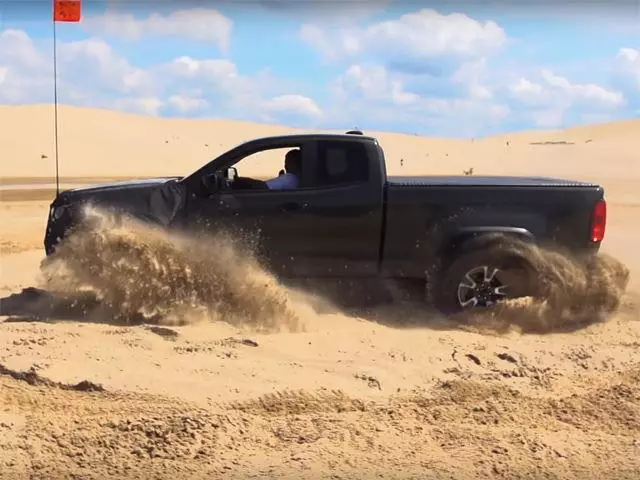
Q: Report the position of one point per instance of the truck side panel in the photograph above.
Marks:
(423, 223)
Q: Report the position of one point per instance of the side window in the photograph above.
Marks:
(341, 163)
(264, 164)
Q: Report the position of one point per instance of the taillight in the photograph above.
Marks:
(598, 221)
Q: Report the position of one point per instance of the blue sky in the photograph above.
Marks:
(455, 69)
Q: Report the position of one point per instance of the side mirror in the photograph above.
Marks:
(211, 182)
(220, 180)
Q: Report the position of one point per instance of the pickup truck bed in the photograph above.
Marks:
(455, 210)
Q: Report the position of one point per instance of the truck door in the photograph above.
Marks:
(261, 219)
(342, 211)
(328, 227)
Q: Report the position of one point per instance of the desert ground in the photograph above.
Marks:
(323, 393)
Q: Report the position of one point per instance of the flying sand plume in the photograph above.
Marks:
(139, 269)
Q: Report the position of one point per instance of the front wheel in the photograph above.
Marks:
(482, 278)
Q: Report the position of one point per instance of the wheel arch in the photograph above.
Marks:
(465, 239)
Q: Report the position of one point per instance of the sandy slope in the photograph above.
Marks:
(341, 397)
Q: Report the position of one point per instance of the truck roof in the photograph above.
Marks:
(306, 137)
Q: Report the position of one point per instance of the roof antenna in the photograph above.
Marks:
(355, 132)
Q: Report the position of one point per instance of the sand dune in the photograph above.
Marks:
(100, 143)
(391, 393)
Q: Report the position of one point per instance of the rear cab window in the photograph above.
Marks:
(341, 163)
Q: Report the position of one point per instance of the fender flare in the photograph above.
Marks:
(464, 239)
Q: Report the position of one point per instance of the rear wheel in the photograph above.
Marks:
(481, 278)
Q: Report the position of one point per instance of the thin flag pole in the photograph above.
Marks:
(63, 11)
(55, 102)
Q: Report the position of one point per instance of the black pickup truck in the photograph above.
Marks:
(348, 221)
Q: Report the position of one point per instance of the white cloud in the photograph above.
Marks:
(143, 105)
(220, 78)
(372, 83)
(17, 47)
(477, 100)
(552, 89)
(27, 73)
(467, 92)
(92, 73)
(550, 98)
(548, 117)
(426, 67)
(200, 24)
(292, 104)
(187, 103)
(102, 68)
(248, 96)
(366, 91)
(375, 84)
(528, 91)
(188, 67)
(86, 68)
(588, 92)
(419, 35)
(473, 76)
(628, 68)
(344, 12)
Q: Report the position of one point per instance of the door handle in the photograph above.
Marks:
(292, 206)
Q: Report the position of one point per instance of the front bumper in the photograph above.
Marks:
(59, 222)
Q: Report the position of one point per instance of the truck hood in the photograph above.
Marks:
(122, 186)
(157, 199)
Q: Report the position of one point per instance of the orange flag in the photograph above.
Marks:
(67, 10)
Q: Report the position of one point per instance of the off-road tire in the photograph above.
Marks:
(515, 266)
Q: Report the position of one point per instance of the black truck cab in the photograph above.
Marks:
(330, 226)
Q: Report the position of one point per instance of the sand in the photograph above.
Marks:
(335, 395)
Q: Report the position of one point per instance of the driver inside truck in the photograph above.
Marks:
(290, 178)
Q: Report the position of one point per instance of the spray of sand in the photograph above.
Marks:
(571, 294)
(136, 269)
(139, 270)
